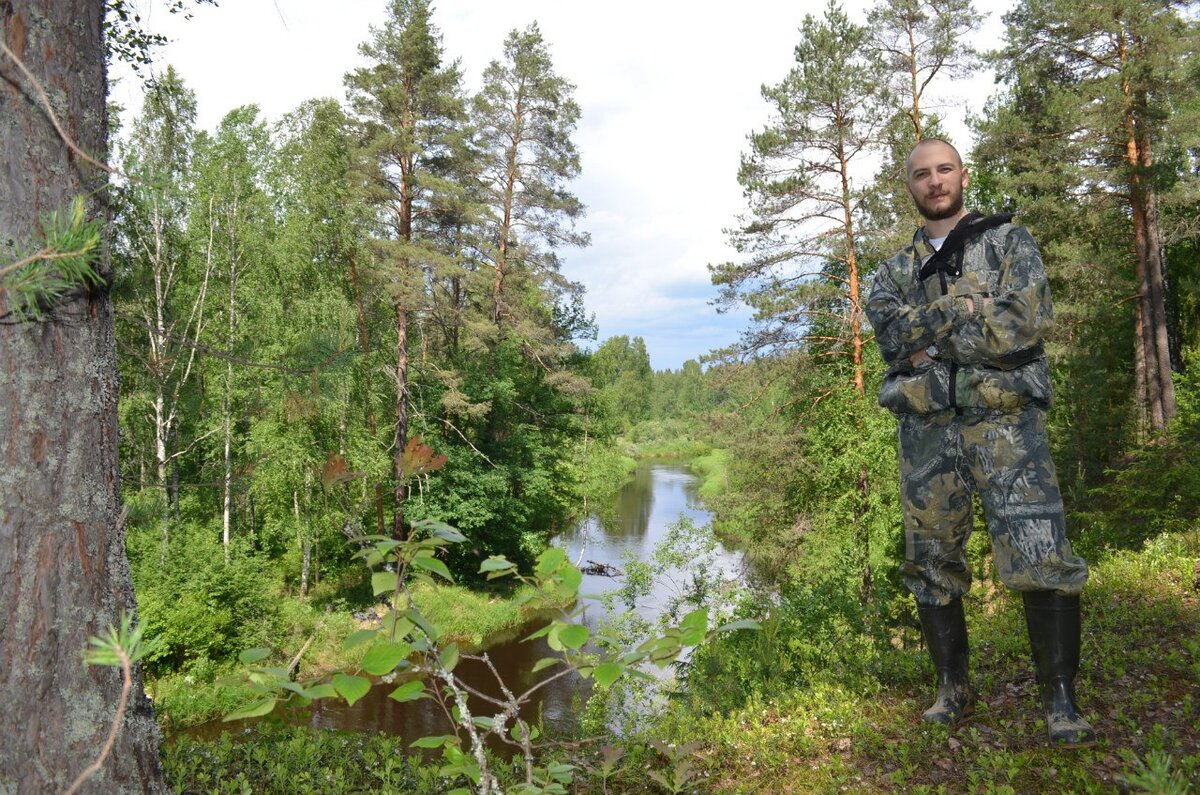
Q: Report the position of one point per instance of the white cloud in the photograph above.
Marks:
(668, 90)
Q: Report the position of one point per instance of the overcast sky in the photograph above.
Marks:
(669, 91)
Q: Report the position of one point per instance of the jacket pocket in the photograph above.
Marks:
(995, 389)
(920, 391)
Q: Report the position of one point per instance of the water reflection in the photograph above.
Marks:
(639, 520)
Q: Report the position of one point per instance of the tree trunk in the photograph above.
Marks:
(63, 571)
(401, 484)
(227, 403)
(364, 346)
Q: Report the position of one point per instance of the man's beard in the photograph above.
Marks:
(930, 213)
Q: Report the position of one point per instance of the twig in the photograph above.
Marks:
(44, 254)
(296, 660)
(66, 139)
(126, 686)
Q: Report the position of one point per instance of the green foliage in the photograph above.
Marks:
(198, 606)
(1154, 489)
(620, 369)
(65, 264)
(271, 758)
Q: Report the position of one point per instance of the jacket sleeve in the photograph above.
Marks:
(1018, 314)
(902, 329)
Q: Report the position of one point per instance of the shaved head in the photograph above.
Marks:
(930, 142)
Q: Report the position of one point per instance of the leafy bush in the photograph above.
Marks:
(199, 605)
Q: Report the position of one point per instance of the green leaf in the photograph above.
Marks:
(383, 582)
(384, 656)
(607, 673)
(351, 688)
(443, 530)
(434, 565)
(496, 563)
(449, 657)
(250, 656)
(359, 638)
(409, 691)
(435, 741)
(745, 623)
(540, 633)
(320, 691)
(257, 709)
(550, 560)
(483, 722)
(544, 663)
(693, 627)
(572, 578)
(573, 636)
(419, 620)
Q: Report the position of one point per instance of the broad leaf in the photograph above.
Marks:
(359, 638)
(383, 582)
(409, 691)
(384, 656)
(607, 673)
(257, 709)
(434, 565)
(251, 656)
(573, 636)
(351, 688)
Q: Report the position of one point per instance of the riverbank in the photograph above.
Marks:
(471, 619)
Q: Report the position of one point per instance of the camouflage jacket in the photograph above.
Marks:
(989, 356)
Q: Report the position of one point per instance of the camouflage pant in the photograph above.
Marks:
(944, 459)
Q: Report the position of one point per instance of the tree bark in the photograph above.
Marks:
(63, 571)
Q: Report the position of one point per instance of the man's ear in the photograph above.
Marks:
(966, 176)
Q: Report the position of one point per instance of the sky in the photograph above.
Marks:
(669, 91)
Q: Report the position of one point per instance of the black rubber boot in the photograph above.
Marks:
(1053, 621)
(945, 631)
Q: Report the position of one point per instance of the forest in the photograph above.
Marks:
(363, 413)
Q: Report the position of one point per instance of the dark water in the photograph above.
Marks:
(644, 510)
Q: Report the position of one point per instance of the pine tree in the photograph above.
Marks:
(802, 236)
(411, 109)
(64, 575)
(1118, 69)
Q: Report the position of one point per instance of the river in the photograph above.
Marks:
(643, 511)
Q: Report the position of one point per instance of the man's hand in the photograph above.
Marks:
(971, 303)
(919, 358)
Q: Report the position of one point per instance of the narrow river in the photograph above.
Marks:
(645, 508)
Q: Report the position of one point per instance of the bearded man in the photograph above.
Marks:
(960, 315)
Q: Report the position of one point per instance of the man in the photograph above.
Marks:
(960, 315)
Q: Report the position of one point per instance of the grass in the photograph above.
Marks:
(713, 469)
(1139, 684)
(470, 618)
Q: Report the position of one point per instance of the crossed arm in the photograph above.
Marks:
(968, 327)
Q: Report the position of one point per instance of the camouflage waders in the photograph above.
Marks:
(945, 458)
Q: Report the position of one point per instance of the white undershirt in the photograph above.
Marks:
(937, 242)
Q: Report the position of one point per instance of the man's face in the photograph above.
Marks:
(936, 179)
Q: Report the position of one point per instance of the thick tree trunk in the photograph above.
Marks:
(63, 571)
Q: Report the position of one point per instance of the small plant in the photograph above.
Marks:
(681, 769)
(1154, 775)
(117, 648)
